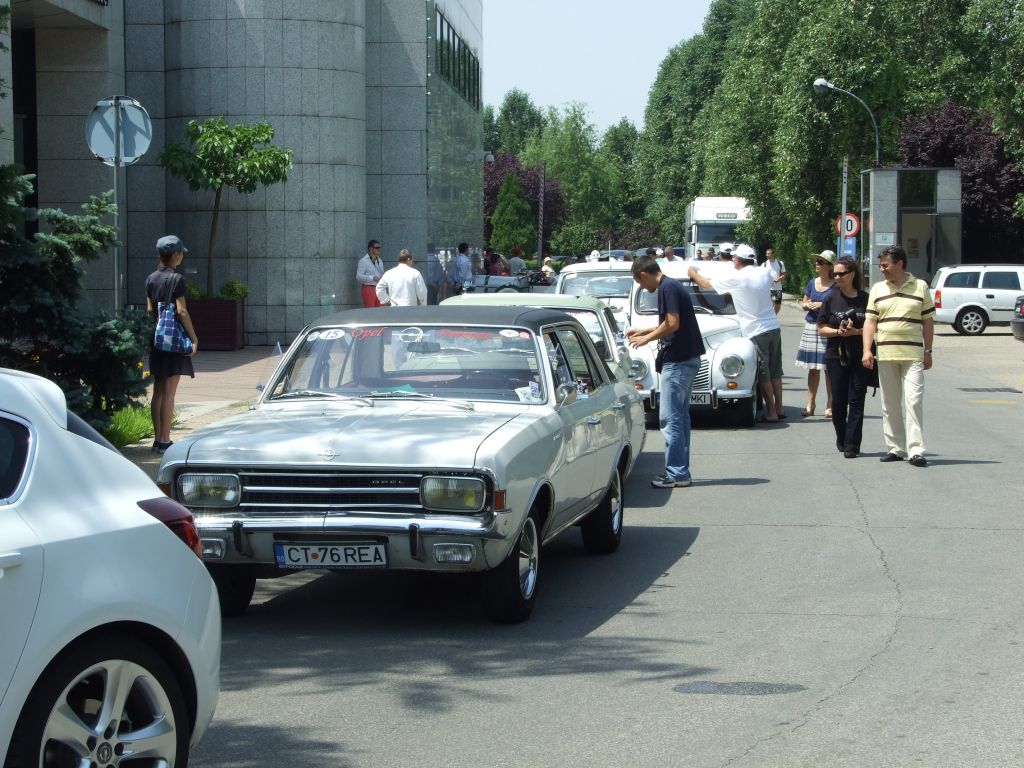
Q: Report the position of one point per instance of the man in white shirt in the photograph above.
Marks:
(751, 294)
(402, 286)
(369, 272)
(778, 269)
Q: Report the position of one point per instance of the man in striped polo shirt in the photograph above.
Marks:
(900, 319)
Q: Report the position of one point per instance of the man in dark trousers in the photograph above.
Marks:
(679, 354)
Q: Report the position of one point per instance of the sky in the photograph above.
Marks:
(604, 53)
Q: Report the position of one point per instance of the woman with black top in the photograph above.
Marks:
(840, 321)
(167, 367)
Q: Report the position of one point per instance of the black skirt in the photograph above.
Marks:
(163, 365)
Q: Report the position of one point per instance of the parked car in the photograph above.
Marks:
(456, 439)
(972, 296)
(610, 281)
(523, 282)
(110, 629)
(1017, 321)
(726, 382)
(597, 317)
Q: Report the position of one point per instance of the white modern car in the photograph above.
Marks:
(110, 629)
(972, 296)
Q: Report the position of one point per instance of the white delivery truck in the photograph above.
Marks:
(711, 221)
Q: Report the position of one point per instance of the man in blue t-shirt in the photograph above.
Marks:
(680, 349)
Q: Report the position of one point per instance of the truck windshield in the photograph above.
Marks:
(716, 233)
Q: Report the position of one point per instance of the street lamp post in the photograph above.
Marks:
(821, 85)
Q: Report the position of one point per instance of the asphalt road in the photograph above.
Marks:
(791, 608)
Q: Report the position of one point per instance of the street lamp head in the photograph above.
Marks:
(821, 85)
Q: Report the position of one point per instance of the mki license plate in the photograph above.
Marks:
(700, 398)
(359, 555)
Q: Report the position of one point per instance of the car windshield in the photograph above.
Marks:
(596, 284)
(707, 302)
(366, 363)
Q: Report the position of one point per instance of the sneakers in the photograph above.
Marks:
(161, 447)
(918, 461)
(666, 481)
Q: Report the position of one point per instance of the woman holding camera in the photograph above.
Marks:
(840, 321)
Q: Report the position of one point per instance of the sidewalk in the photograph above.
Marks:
(224, 385)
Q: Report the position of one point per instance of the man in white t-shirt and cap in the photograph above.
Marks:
(751, 294)
(725, 251)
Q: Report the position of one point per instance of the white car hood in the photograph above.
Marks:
(718, 328)
(389, 434)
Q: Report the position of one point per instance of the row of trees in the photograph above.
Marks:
(732, 112)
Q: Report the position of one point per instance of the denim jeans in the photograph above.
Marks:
(674, 415)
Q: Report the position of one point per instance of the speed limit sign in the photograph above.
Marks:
(850, 225)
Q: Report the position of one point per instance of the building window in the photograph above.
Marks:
(455, 62)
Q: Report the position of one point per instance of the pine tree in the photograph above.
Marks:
(512, 222)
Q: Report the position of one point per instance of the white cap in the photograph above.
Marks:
(745, 252)
(726, 248)
(594, 255)
(660, 252)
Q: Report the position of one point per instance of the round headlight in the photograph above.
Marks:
(638, 369)
(731, 366)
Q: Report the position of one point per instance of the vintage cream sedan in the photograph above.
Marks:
(455, 439)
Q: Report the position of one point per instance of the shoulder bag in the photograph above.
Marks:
(169, 335)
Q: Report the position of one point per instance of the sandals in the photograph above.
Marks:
(807, 412)
(828, 413)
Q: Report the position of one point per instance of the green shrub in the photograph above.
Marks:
(129, 425)
(234, 289)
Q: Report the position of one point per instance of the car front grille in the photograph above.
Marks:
(270, 491)
(702, 381)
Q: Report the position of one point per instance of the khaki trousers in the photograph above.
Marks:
(902, 385)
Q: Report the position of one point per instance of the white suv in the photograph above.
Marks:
(970, 296)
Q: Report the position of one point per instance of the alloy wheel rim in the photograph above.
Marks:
(616, 501)
(528, 559)
(113, 711)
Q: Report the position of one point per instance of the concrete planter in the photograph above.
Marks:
(219, 323)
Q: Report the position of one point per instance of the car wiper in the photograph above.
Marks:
(296, 393)
(404, 393)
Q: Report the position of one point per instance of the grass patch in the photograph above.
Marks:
(129, 425)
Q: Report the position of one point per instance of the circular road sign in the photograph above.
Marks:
(851, 225)
(133, 125)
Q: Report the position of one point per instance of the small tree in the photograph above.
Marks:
(217, 155)
(512, 221)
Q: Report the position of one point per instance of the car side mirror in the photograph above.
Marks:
(565, 394)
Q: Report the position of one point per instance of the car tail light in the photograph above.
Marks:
(938, 299)
(177, 518)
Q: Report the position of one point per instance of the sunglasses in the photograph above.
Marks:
(841, 274)
(819, 262)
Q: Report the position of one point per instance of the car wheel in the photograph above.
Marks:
(101, 703)
(235, 585)
(970, 322)
(511, 589)
(507, 289)
(602, 528)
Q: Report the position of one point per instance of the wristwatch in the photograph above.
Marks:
(928, 350)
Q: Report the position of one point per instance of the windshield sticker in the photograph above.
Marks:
(366, 333)
(331, 334)
(313, 336)
(452, 333)
(508, 333)
(410, 335)
(530, 394)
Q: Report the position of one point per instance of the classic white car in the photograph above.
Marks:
(600, 320)
(727, 379)
(453, 439)
(610, 281)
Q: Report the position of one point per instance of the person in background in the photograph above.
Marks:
(548, 270)
(368, 272)
(497, 265)
(811, 352)
(750, 289)
(402, 285)
(725, 252)
(900, 317)
(462, 269)
(698, 255)
(670, 254)
(778, 269)
(710, 255)
(680, 350)
(517, 263)
(841, 323)
(167, 368)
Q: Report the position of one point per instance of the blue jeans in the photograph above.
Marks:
(674, 415)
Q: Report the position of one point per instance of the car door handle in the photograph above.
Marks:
(594, 420)
(618, 406)
(10, 560)
(989, 296)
